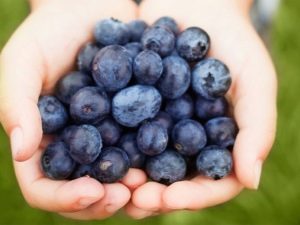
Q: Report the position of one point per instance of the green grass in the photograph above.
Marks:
(277, 201)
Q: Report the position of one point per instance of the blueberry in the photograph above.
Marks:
(211, 78)
(136, 29)
(193, 44)
(133, 48)
(85, 144)
(152, 138)
(180, 108)
(165, 120)
(167, 167)
(65, 135)
(176, 77)
(56, 162)
(68, 85)
(159, 39)
(169, 23)
(214, 162)
(111, 32)
(189, 137)
(53, 114)
(147, 67)
(86, 56)
(221, 131)
(89, 105)
(111, 166)
(129, 145)
(82, 171)
(207, 109)
(112, 68)
(135, 104)
(109, 130)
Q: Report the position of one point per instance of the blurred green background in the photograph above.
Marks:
(277, 201)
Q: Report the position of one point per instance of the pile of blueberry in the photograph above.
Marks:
(143, 97)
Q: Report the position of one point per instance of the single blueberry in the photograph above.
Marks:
(135, 104)
(221, 131)
(159, 39)
(68, 85)
(86, 56)
(152, 138)
(193, 44)
(89, 105)
(136, 29)
(208, 109)
(176, 77)
(111, 166)
(169, 23)
(85, 144)
(111, 32)
(189, 137)
(214, 162)
(56, 162)
(180, 108)
(147, 67)
(165, 120)
(167, 167)
(53, 114)
(133, 48)
(109, 130)
(112, 68)
(211, 78)
(129, 145)
(82, 171)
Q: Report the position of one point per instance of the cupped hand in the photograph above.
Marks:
(252, 95)
(42, 50)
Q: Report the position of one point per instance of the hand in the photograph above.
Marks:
(252, 95)
(38, 54)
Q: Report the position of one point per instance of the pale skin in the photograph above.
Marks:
(44, 48)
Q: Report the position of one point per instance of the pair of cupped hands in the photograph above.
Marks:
(44, 48)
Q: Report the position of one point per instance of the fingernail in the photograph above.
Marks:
(257, 173)
(110, 208)
(16, 139)
(85, 202)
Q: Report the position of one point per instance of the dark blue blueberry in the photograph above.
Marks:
(109, 130)
(176, 77)
(136, 29)
(147, 67)
(112, 68)
(211, 78)
(129, 145)
(167, 167)
(165, 120)
(193, 44)
(53, 114)
(89, 105)
(68, 85)
(189, 137)
(111, 166)
(221, 131)
(86, 56)
(111, 32)
(135, 104)
(180, 108)
(152, 138)
(207, 109)
(82, 171)
(214, 162)
(56, 162)
(159, 39)
(85, 144)
(134, 48)
(169, 23)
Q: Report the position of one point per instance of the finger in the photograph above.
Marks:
(200, 193)
(116, 196)
(134, 178)
(137, 213)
